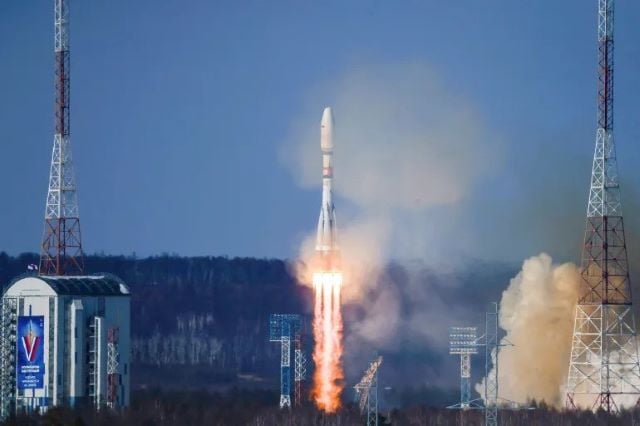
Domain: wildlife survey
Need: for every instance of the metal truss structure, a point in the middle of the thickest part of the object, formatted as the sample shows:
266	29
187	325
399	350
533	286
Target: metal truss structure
492	347
463	341
61	250
367	392
282	328
604	366
93	359
113	375
300	369
8	330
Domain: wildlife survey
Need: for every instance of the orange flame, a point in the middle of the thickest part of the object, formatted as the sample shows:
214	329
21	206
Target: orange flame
327	332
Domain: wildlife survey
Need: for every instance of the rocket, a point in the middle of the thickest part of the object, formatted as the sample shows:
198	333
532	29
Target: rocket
326	241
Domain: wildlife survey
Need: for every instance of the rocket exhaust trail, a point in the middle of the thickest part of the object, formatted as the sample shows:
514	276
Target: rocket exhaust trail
327	283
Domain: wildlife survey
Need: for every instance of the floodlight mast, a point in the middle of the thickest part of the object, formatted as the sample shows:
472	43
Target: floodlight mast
463	341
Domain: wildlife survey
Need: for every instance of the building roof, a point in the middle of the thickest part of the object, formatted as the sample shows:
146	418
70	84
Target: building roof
89	285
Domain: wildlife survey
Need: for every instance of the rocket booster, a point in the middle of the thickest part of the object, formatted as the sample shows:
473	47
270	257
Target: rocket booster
326	241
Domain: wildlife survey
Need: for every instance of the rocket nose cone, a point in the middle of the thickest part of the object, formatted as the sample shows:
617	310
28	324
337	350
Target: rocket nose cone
327	117
326	129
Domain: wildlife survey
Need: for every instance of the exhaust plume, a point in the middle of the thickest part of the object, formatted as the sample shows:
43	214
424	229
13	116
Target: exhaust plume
537	312
409	150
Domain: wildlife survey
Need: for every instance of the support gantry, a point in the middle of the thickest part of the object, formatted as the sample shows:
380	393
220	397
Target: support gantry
604	367
284	328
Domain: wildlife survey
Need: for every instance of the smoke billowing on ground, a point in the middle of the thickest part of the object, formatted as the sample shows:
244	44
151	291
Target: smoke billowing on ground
536	311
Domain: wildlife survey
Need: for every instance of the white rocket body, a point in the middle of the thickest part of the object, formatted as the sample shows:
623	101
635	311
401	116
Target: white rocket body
326	241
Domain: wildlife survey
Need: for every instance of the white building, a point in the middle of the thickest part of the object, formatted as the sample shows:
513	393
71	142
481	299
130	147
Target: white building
65	340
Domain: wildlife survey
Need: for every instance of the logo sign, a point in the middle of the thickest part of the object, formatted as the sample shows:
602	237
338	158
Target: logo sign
30	348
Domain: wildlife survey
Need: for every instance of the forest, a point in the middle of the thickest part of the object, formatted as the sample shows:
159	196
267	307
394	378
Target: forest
254	408
201	353
202	322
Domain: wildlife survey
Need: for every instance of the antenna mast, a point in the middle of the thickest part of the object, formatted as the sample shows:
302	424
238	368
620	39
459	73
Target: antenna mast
61	250
604	365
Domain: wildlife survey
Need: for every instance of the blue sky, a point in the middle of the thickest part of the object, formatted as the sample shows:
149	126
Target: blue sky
180	110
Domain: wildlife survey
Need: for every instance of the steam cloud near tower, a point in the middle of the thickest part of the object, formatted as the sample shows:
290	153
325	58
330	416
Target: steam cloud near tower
406	114
537	312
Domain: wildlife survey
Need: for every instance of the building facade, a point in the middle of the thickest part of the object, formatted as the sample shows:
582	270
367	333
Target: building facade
65	340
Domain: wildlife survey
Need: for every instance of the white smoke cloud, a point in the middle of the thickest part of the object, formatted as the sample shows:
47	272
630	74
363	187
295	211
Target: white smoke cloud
537	311
404	140
409	150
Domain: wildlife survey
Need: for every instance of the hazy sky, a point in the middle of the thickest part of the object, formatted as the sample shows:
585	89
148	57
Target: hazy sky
181	109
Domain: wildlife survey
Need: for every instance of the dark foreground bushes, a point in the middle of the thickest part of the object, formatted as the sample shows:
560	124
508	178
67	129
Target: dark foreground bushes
258	408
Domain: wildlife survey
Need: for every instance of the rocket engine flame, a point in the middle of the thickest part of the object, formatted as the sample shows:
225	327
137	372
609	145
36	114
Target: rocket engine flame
327	332
327	283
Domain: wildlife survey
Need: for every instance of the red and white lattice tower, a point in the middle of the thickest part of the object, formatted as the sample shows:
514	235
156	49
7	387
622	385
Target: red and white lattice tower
604	371
61	250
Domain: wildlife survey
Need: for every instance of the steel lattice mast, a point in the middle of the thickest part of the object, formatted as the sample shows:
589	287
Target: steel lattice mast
283	328
492	348
61	250
367	392
604	364
300	367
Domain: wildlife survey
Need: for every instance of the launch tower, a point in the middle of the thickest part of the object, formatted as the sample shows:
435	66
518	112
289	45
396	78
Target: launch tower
604	368
61	250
